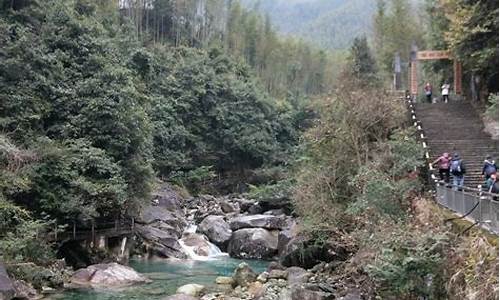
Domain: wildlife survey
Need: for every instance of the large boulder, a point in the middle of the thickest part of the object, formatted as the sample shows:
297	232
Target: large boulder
161	223
258	221
150	214
286	235
7	290
107	275
168	198
255	243
244	275
159	242
216	229
199	245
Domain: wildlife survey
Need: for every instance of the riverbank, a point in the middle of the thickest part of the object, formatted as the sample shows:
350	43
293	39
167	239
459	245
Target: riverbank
187	231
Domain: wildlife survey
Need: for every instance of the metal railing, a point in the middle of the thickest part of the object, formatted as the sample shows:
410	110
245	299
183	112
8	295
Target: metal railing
476	205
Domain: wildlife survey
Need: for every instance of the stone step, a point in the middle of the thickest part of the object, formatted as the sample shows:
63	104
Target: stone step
456	127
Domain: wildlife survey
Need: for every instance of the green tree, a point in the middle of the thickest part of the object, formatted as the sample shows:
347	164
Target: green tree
362	65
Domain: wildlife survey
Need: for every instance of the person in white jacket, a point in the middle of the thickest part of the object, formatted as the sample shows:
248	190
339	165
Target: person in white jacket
445	91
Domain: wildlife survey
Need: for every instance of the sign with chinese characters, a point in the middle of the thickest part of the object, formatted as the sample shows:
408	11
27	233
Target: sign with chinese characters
427	55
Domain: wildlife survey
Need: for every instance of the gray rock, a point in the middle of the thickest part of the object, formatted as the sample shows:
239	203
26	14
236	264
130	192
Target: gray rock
245	204
160	242
199	244
7	290
244	275
107	275
149	214
224	280
194	290
168	198
308	292
275	212
278	274
256	208
263	277
274	265
216	229
286	235
257	221
319	267
353	294
253	243
229	207
24	290
297	275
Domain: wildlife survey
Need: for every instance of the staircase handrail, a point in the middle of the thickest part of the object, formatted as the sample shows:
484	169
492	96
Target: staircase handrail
476	205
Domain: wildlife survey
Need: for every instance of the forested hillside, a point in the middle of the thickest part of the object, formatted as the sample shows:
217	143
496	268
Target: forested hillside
95	103
220	126
328	23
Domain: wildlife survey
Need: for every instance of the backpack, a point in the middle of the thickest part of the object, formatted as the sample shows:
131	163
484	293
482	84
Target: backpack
456	167
489	169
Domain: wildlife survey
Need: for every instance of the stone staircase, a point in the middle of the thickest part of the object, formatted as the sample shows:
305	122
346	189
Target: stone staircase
456	127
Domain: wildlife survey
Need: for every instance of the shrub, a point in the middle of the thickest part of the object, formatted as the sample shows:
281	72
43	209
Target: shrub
409	265
492	109
19	236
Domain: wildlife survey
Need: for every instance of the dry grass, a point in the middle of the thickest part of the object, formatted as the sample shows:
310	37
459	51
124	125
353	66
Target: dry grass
472	262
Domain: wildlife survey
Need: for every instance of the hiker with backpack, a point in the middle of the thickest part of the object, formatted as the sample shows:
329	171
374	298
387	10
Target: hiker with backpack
457	171
443	163
489	167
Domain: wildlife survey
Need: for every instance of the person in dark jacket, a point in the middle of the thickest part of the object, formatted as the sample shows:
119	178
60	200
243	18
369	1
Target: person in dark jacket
457	171
489	167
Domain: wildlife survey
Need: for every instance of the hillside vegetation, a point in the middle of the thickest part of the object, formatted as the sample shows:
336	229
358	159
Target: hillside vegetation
330	24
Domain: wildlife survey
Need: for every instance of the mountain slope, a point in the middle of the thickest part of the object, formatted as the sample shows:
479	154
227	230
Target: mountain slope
328	23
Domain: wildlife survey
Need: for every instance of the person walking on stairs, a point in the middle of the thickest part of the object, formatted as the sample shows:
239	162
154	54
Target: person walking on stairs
489	167
443	163
457	171
445	91
428	92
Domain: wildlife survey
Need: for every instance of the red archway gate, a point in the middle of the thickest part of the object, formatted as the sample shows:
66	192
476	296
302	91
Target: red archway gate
432	55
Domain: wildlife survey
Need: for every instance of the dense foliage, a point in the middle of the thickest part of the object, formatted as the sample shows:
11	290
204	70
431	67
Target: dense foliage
395	31
470	30
283	65
90	111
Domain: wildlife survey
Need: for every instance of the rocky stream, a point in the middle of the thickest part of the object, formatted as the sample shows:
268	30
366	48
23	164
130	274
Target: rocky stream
209	247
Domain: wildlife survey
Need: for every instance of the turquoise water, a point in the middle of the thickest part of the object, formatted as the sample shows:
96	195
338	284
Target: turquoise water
167	276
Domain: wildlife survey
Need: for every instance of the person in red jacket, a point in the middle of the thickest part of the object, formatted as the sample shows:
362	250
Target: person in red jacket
428	92
443	163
